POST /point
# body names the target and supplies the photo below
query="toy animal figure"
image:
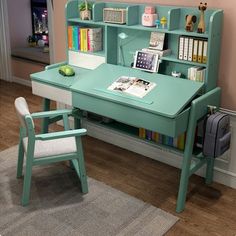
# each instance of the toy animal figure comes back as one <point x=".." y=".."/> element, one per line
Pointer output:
<point x="201" y="25"/>
<point x="190" y="21"/>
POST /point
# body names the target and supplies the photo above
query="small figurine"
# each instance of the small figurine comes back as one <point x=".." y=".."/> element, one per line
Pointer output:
<point x="32" y="40"/>
<point x="158" y="23"/>
<point x="149" y="17"/>
<point x="190" y="21"/>
<point x="201" y="25"/>
<point x="163" y="22"/>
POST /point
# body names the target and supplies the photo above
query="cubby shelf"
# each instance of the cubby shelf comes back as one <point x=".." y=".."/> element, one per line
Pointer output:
<point x="134" y="132"/>
<point x="173" y="58"/>
<point x="98" y="53"/>
<point x="139" y="27"/>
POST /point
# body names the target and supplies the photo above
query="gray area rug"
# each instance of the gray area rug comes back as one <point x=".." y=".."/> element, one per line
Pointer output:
<point x="57" y="206"/>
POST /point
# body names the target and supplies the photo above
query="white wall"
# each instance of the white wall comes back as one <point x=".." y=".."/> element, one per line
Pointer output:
<point x="19" y="12"/>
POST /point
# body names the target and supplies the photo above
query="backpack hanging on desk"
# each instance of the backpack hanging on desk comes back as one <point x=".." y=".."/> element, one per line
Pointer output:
<point x="217" y="135"/>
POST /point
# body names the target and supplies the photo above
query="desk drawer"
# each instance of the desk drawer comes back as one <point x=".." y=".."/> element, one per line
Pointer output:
<point x="51" y="92"/>
<point x="133" y="116"/>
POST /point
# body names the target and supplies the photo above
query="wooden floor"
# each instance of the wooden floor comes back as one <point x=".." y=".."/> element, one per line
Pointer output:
<point x="210" y="210"/>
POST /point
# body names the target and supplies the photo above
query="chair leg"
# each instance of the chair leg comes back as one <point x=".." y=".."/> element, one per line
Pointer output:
<point x="20" y="160"/>
<point x="83" y="176"/>
<point x="27" y="182"/>
<point x="82" y="171"/>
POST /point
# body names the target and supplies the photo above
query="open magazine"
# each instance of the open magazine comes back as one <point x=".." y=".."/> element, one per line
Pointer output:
<point x="132" y="85"/>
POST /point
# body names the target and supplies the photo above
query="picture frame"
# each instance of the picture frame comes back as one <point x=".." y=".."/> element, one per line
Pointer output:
<point x="157" y="41"/>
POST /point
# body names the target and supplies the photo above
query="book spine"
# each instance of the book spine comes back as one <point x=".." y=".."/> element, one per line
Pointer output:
<point x="75" y="38"/>
<point x="190" y="49"/>
<point x="85" y="40"/>
<point x="89" y="39"/>
<point x="70" y="37"/>
<point x="155" y="137"/>
<point x="79" y="46"/>
<point x="181" y="141"/>
<point x="181" y="48"/>
<point x="200" y="51"/>
<point x="142" y="133"/>
<point x="81" y="40"/>
<point x="148" y="135"/>
<point x="195" y="50"/>
<point x="186" y="43"/>
<point x="204" y="56"/>
<point x="170" y="141"/>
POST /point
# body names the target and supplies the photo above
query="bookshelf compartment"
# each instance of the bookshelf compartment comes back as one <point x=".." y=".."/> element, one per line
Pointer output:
<point x="123" y="50"/>
<point x="178" y="21"/>
<point x="131" y="11"/>
<point x="78" y="43"/>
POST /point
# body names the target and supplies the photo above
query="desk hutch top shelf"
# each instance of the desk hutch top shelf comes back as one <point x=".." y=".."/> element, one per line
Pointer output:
<point x="139" y="36"/>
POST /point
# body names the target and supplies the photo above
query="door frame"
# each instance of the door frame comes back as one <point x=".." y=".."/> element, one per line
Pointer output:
<point x="50" y="8"/>
<point x="5" y="48"/>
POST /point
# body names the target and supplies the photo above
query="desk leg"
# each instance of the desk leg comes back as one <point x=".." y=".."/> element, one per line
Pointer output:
<point x="77" y="118"/>
<point x="210" y="170"/>
<point x="185" y="172"/>
<point x="45" y="121"/>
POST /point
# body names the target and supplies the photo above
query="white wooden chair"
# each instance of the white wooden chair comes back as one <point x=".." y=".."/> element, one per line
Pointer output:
<point x="41" y="149"/>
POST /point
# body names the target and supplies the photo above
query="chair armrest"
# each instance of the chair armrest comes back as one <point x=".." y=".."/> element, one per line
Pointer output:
<point x="43" y="114"/>
<point x="55" y="65"/>
<point x="61" y="134"/>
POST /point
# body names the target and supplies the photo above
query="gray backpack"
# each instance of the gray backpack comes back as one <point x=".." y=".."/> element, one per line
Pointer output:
<point x="217" y="135"/>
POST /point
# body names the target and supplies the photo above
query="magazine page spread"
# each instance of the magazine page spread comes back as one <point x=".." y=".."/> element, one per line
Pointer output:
<point x="132" y="85"/>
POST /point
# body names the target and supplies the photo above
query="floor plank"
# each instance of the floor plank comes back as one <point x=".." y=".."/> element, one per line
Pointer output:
<point x="210" y="210"/>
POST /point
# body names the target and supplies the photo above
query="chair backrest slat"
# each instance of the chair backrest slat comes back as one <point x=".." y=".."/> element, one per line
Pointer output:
<point x="22" y="111"/>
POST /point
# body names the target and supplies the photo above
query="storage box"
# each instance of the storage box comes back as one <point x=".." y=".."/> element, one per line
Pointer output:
<point x="114" y="15"/>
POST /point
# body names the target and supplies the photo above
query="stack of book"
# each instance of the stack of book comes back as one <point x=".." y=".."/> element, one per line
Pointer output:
<point x="193" y="49"/>
<point x="178" y="142"/>
<point x="197" y="73"/>
<point x="84" y="39"/>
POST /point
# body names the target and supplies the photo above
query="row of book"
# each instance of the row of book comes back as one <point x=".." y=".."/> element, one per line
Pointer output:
<point x="178" y="142"/>
<point x="84" y="39"/>
<point x="193" y="49"/>
<point x="197" y="73"/>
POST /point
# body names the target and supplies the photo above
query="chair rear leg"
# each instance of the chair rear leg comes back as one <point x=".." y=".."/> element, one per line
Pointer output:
<point x="20" y="160"/>
<point x="82" y="171"/>
<point x="27" y="182"/>
<point x="83" y="176"/>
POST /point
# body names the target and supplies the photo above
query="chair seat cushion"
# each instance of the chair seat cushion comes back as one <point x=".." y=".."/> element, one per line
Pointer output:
<point x="52" y="147"/>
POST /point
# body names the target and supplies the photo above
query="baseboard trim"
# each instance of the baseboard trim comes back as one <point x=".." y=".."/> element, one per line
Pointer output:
<point x="19" y="80"/>
<point x="152" y="151"/>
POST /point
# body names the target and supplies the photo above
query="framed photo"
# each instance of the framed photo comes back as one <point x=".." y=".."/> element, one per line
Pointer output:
<point x="157" y="41"/>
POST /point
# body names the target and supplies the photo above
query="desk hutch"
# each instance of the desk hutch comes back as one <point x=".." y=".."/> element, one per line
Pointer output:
<point x="173" y="107"/>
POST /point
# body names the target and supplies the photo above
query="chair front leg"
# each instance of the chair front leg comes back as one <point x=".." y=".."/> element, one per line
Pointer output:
<point x="27" y="178"/>
<point x="20" y="159"/>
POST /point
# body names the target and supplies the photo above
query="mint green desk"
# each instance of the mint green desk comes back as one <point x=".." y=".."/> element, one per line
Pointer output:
<point x="171" y="108"/>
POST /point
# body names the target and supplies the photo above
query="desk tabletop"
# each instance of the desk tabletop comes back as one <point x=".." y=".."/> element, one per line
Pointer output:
<point x="168" y="98"/>
<point x="53" y="77"/>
